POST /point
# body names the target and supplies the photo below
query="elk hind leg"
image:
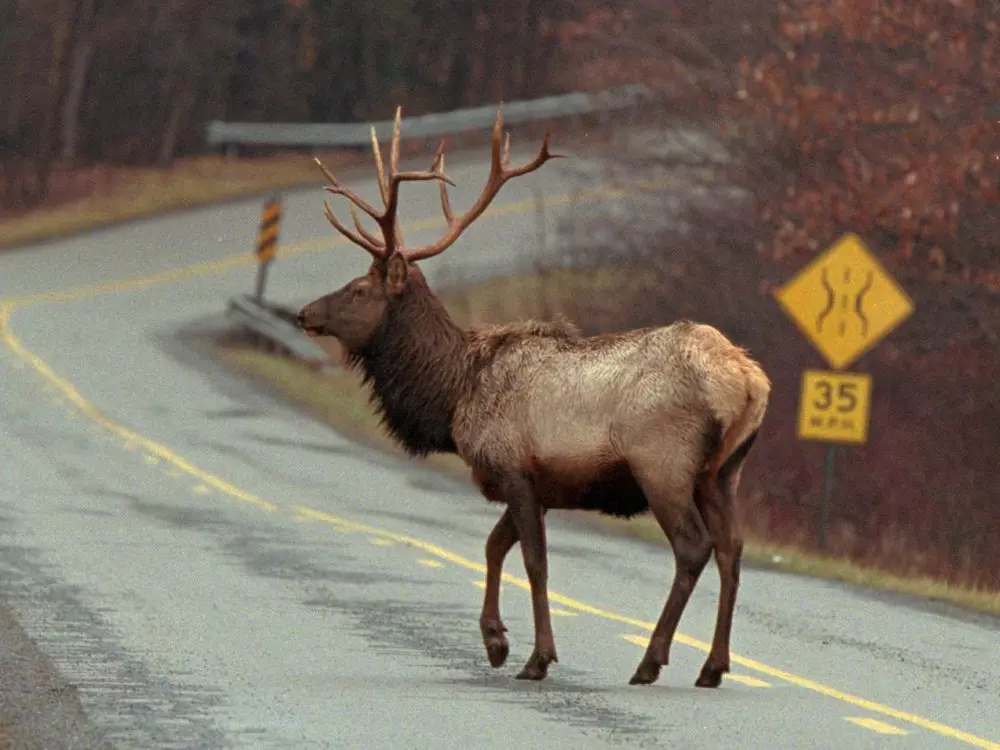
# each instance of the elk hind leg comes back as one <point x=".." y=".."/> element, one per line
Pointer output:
<point x="500" y="541"/>
<point x="669" y="486"/>
<point x="716" y="498"/>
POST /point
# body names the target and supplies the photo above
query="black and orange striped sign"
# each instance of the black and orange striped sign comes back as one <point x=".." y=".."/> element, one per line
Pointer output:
<point x="270" y="225"/>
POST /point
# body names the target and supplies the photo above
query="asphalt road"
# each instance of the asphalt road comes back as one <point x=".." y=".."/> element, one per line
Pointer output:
<point x="186" y="562"/>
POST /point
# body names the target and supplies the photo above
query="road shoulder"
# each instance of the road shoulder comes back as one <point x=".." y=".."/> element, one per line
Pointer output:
<point x="38" y="707"/>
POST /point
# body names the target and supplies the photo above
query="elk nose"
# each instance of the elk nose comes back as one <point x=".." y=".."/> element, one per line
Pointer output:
<point x="302" y="319"/>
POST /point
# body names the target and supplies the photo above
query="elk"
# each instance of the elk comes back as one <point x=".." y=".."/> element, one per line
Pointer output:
<point x="656" y="419"/>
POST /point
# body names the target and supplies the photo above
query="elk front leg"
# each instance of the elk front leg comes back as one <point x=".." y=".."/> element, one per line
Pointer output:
<point x="529" y="520"/>
<point x="498" y="544"/>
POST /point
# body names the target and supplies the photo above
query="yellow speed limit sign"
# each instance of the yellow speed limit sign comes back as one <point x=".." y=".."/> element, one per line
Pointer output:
<point x="834" y="406"/>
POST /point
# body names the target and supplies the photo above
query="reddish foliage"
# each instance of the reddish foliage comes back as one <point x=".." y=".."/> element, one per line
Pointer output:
<point x="884" y="119"/>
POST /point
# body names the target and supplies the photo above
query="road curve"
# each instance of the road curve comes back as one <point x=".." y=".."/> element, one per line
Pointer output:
<point x="205" y="567"/>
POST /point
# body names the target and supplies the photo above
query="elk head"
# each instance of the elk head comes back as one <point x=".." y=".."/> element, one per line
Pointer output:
<point x="356" y="311"/>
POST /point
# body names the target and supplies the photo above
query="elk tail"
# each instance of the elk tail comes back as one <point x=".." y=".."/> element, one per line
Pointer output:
<point x="744" y="429"/>
<point x="732" y="463"/>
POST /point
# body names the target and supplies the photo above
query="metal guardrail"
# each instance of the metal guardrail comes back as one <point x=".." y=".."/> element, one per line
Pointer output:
<point x="220" y="133"/>
<point x="277" y="326"/>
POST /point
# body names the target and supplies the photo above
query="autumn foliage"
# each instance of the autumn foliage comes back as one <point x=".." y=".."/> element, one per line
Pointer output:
<point x="883" y="117"/>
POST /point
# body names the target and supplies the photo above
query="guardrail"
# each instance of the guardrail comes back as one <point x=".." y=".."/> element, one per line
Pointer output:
<point x="332" y="135"/>
<point x="277" y="326"/>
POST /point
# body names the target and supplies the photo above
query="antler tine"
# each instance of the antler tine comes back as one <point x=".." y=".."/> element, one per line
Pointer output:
<point x="394" y="170"/>
<point x="326" y="172"/>
<point x="392" y="201"/>
<point x="438" y="166"/>
<point x="387" y="185"/>
<point x="499" y="174"/>
<point x="364" y="232"/>
<point x="389" y="189"/>
<point x="394" y="153"/>
<point x="365" y="240"/>
<point x="337" y="189"/>
<point x="496" y="159"/>
<point x="362" y="238"/>
<point x="383" y="184"/>
<point x="543" y="156"/>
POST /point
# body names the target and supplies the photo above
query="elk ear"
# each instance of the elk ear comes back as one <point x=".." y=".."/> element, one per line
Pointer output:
<point x="395" y="274"/>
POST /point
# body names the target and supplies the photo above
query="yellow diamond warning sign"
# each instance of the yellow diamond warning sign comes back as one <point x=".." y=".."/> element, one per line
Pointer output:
<point x="845" y="301"/>
<point x="834" y="406"/>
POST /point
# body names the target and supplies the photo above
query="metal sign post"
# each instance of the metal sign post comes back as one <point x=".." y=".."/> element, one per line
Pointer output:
<point x="844" y="302"/>
<point x="833" y="408"/>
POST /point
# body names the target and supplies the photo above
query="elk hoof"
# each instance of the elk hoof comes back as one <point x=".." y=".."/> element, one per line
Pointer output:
<point x="497" y="650"/>
<point x="537" y="667"/>
<point x="495" y="641"/>
<point x="711" y="676"/>
<point x="646" y="673"/>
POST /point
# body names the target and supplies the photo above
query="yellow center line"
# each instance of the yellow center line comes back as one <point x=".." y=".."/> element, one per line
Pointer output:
<point x="132" y="439"/>
<point x="933" y="726"/>
<point x="875" y="725"/>
<point x="561" y="612"/>
<point x="135" y="440"/>
<point x="748" y="680"/>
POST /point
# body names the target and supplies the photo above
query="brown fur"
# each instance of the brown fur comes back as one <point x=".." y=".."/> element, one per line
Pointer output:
<point x="656" y="419"/>
<point x="416" y="380"/>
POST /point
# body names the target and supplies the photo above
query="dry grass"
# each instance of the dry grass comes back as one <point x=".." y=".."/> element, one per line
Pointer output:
<point x="126" y="194"/>
<point x="340" y="401"/>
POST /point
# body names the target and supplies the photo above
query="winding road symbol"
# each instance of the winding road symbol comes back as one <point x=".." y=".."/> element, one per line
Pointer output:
<point x="850" y="287"/>
<point x="844" y="301"/>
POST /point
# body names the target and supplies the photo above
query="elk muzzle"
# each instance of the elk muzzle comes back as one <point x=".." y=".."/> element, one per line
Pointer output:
<point x="311" y="320"/>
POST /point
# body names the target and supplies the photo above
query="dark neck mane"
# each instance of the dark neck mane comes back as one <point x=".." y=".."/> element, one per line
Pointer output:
<point x="416" y="367"/>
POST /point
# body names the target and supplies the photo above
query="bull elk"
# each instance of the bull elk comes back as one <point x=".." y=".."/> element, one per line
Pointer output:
<point x="656" y="419"/>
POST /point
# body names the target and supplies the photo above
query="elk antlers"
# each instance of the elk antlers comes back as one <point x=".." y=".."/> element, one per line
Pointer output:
<point x="392" y="239"/>
<point x="389" y="188"/>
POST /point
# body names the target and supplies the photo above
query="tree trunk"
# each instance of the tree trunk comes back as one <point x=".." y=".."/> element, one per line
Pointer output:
<point x="531" y="46"/>
<point x="369" y="39"/>
<point x="79" y="68"/>
<point x="61" y="29"/>
<point x="183" y="103"/>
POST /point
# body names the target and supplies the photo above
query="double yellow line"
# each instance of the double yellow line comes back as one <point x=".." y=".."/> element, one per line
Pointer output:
<point x="16" y="347"/>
